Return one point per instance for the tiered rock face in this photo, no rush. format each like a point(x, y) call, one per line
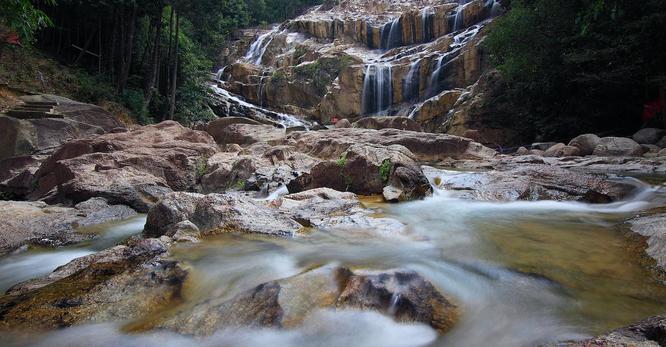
point(359, 58)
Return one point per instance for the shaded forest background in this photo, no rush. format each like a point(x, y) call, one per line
point(153, 56)
point(570, 67)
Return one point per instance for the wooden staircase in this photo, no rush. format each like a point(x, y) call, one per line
point(32, 109)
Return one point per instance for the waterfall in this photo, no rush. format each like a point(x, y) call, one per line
point(459, 41)
point(427, 22)
point(459, 21)
point(220, 73)
point(391, 36)
point(377, 95)
point(495, 8)
point(411, 83)
point(256, 52)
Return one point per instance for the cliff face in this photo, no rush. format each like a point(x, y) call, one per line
point(366, 58)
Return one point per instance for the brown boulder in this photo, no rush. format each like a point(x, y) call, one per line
point(36, 222)
point(586, 143)
point(618, 146)
point(133, 168)
point(286, 303)
point(377, 123)
point(121, 283)
point(247, 134)
point(562, 150)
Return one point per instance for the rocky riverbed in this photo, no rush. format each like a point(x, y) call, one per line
point(281, 234)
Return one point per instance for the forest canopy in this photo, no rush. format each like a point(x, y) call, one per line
point(153, 55)
point(580, 65)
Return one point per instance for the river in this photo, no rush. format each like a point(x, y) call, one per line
point(524, 273)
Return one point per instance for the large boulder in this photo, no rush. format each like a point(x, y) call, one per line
point(75, 120)
point(649, 136)
point(529, 181)
point(330, 144)
point(617, 147)
point(286, 303)
point(122, 283)
point(586, 143)
point(561, 150)
point(402, 123)
point(217, 213)
point(38, 223)
point(247, 134)
point(133, 168)
point(367, 169)
point(216, 128)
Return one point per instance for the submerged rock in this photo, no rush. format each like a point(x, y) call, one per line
point(24, 223)
point(124, 282)
point(648, 333)
point(286, 303)
point(652, 227)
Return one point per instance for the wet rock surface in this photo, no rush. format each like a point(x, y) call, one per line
point(653, 228)
point(124, 282)
point(532, 181)
point(285, 303)
point(648, 333)
point(37, 223)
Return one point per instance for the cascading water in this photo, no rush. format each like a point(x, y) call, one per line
point(377, 88)
point(256, 52)
point(219, 74)
point(427, 21)
point(391, 36)
point(411, 83)
point(435, 83)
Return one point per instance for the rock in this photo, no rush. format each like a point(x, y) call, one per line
point(562, 150)
point(536, 152)
point(285, 303)
point(585, 143)
point(662, 143)
point(330, 144)
point(616, 165)
point(20, 137)
point(367, 169)
point(22, 223)
point(216, 128)
point(392, 194)
point(524, 181)
point(325, 208)
point(543, 146)
point(216, 214)
point(618, 146)
point(134, 168)
point(121, 283)
point(651, 149)
point(247, 134)
point(648, 333)
point(652, 227)
point(343, 123)
point(662, 153)
point(648, 136)
point(402, 123)
point(522, 151)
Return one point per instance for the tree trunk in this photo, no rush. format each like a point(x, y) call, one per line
point(153, 70)
point(126, 57)
point(172, 103)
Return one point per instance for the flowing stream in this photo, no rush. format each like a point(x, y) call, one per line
point(523, 273)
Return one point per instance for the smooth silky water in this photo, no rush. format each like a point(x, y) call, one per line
point(524, 273)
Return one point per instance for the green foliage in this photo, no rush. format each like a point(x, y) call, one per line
point(22, 17)
point(133, 99)
point(385, 170)
point(278, 77)
point(240, 184)
point(322, 71)
point(342, 161)
point(201, 167)
point(582, 65)
point(7, 196)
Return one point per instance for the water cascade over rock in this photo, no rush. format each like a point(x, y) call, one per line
point(377, 89)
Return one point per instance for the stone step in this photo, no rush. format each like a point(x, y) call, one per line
point(32, 114)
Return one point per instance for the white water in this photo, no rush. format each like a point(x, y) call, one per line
point(377, 94)
point(20, 267)
point(255, 53)
point(411, 81)
point(220, 73)
point(286, 120)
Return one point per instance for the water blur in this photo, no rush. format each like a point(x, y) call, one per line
point(524, 273)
